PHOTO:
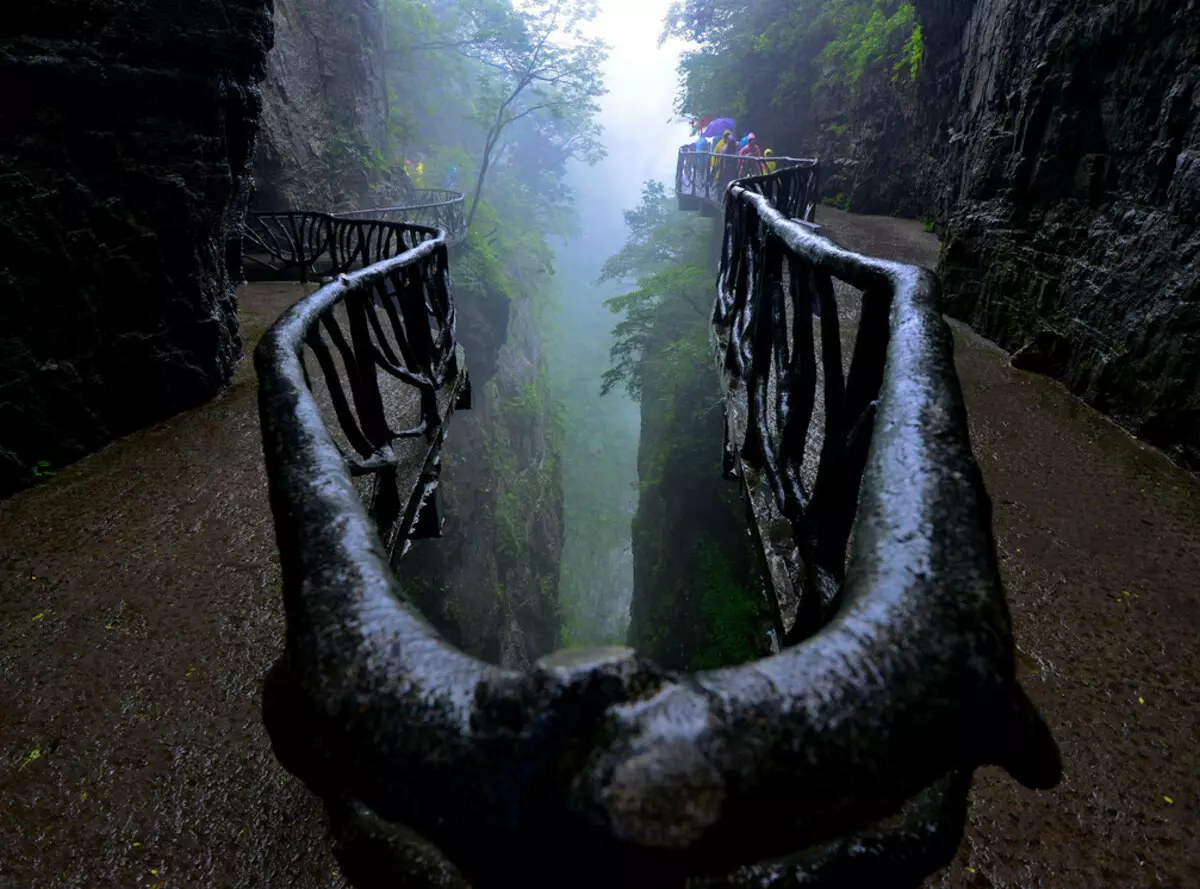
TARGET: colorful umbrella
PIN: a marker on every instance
(719, 126)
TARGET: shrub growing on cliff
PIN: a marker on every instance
(882, 42)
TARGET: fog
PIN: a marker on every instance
(600, 448)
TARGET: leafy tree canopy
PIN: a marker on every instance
(664, 320)
(794, 60)
(493, 97)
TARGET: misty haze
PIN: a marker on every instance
(673, 444)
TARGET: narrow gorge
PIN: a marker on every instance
(367, 511)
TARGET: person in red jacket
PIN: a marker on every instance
(749, 149)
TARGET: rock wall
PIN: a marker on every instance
(126, 134)
(871, 148)
(696, 603)
(697, 581)
(1070, 201)
(490, 584)
(874, 141)
(1057, 144)
(325, 113)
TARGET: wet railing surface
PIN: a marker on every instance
(842, 760)
(306, 246)
(867, 505)
(367, 365)
(434, 207)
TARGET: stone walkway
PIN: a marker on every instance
(1099, 543)
(139, 608)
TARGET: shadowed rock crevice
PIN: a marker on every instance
(125, 144)
(490, 584)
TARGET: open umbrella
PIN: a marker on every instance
(718, 126)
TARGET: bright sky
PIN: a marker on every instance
(642, 143)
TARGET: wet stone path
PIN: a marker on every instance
(1099, 544)
(139, 609)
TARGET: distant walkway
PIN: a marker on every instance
(139, 608)
(1099, 545)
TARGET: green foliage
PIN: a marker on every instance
(478, 270)
(731, 616)
(505, 92)
(527, 62)
(840, 201)
(881, 42)
(928, 224)
(348, 156)
(912, 54)
(664, 254)
(695, 599)
(523, 489)
(800, 60)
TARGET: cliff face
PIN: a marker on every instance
(491, 583)
(1057, 142)
(871, 148)
(697, 581)
(874, 141)
(125, 142)
(1071, 201)
(325, 112)
(696, 602)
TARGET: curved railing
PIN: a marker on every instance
(856, 743)
(434, 207)
(288, 244)
(701, 178)
(870, 512)
(358, 379)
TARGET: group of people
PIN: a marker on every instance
(756, 160)
(416, 174)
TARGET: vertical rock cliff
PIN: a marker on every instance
(491, 582)
(126, 134)
(1058, 144)
(697, 579)
(325, 114)
(1071, 201)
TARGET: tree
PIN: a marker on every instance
(789, 68)
(545, 66)
(664, 324)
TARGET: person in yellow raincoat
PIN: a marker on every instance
(719, 149)
(769, 165)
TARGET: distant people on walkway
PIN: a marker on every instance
(752, 158)
(452, 176)
(415, 170)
